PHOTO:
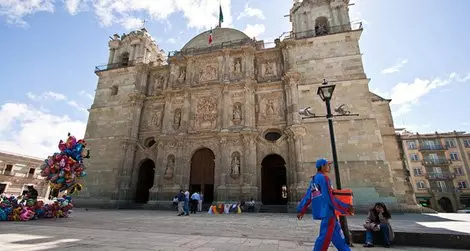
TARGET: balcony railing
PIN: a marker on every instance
(107, 67)
(325, 31)
(436, 162)
(432, 148)
(217, 46)
(440, 176)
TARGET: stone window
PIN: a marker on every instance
(411, 144)
(417, 172)
(454, 156)
(124, 59)
(414, 157)
(149, 142)
(8, 170)
(272, 136)
(321, 26)
(466, 143)
(458, 171)
(463, 184)
(450, 143)
(420, 185)
(114, 90)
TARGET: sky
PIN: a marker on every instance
(415, 52)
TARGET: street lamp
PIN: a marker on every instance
(325, 91)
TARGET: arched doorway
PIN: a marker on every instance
(446, 205)
(202, 174)
(273, 178)
(145, 181)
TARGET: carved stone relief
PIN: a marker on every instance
(181, 75)
(177, 119)
(237, 113)
(208, 73)
(270, 107)
(170, 167)
(269, 69)
(155, 120)
(235, 165)
(206, 113)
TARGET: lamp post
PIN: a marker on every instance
(325, 91)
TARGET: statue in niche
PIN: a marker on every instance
(170, 167)
(155, 121)
(182, 75)
(270, 108)
(269, 69)
(235, 171)
(237, 113)
(161, 82)
(177, 119)
(237, 66)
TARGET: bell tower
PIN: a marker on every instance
(319, 17)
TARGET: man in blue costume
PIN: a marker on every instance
(324, 204)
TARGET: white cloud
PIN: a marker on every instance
(57, 97)
(395, 68)
(405, 95)
(251, 12)
(200, 14)
(171, 41)
(27, 130)
(14, 11)
(254, 30)
(86, 94)
(132, 23)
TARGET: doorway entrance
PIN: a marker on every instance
(273, 178)
(202, 174)
(446, 205)
(145, 181)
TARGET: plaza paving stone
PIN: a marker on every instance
(162, 230)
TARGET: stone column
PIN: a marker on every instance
(296, 134)
(249, 112)
(220, 172)
(291, 81)
(131, 56)
(226, 108)
(248, 170)
(111, 55)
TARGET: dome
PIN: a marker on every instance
(219, 36)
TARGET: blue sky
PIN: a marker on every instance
(415, 52)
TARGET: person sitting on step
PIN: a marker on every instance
(378, 221)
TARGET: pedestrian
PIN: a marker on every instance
(186, 203)
(180, 203)
(199, 204)
(194, 202)
(324, 204)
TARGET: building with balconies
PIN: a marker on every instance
(439, 167)
(17, 172)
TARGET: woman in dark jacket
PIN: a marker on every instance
(378, 221)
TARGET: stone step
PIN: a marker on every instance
(273, 209)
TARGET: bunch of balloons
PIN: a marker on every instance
(12, 210)
(65, 169)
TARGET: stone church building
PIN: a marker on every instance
(222, 118)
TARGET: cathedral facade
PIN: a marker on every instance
(223, 118)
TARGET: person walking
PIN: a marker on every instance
(194, 202)
(199, 204)
(186, 203)
(324, 204)
(180, 203)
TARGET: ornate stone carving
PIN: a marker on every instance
(181, 75)
(269, 69)
(237, 113)
(155, 121)
(209, 72)
(206, 117)
(235, 165)
(170, 167)
(270, 108)
(177, 119)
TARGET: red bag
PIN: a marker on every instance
(345, 196)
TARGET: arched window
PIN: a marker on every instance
(114, 90)
(321, 26)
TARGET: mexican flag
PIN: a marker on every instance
(221, 16)
(210, 36)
